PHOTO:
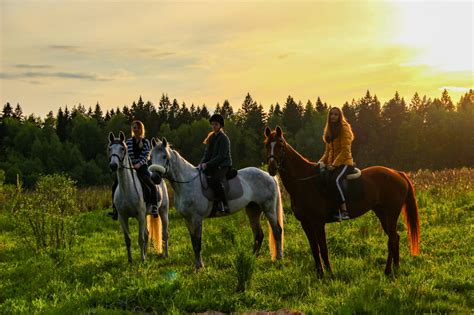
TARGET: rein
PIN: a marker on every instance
(280, 167)
(167, 167)
(121, 159)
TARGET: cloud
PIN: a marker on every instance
(28, 66)
(69, 48)
(61, 75)
(454, 88)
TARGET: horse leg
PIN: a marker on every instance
(126, 234)
(323, 246)
(142, 237)
(253, 212)
(313, 243)
(195, 231)
(394, 243)
(164, 225)
(383, 220)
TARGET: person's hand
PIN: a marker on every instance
(137, 166)
(321, 164)
(203, 166)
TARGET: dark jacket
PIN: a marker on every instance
(217, 153)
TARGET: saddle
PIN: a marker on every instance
(232, 186)
(351, 184)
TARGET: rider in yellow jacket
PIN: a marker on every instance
(337, 155)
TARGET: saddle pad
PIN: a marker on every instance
(233, 188)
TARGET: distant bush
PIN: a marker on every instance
(44, 218)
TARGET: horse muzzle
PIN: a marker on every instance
(113, 166)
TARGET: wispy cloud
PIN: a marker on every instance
(30, 66)
(69, 48)
(455, 88)
(61, 75)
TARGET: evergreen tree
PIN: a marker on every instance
(18, 112)
(184, 115)
(320, 107)
(98, 115)
(292, 116)
(309, 112)
(204, 113)
(446, 101)
(173, 115)
(7, 111)
(226, 110)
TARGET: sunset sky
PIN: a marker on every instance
(56, 53)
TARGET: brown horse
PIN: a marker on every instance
(385, 191)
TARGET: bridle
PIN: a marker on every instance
(121, 159)
(280, 161)
(167, 168)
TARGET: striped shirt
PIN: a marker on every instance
(136, 154)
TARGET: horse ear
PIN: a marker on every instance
(165, 143)
(122, 136)
(111, 137)
(279, 132)
(153, 142)
(268, 132)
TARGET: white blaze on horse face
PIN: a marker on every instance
(272, 146)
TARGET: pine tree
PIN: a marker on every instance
(292, 116)
(7, 111)
(226, 110)
(18, 112)
(446, 101)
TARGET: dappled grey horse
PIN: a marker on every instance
(261, 193)
(128, 200)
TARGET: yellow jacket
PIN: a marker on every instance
(338, 151)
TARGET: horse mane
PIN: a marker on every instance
(301, 157)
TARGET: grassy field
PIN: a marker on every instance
(93, 276)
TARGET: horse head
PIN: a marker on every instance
(275, 145)
(117, 150)
(160, 158)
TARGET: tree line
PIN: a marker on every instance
(406, 135)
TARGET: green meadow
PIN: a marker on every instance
(91, 274)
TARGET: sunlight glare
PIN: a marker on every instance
(439, 32)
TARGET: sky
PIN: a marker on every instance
(63, 53)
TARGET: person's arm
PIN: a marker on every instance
(223, 149)
(345, 153)
(145, 154)
(325, 156)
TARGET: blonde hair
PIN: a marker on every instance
(141, 125)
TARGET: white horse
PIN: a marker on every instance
(128, 200)
(261, 193)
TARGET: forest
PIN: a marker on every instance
(419, 133)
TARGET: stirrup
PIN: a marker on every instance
(342, 215)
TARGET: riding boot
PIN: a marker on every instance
(224, 207)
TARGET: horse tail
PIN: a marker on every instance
(271, 237)
(412, 219)
(155, 232)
